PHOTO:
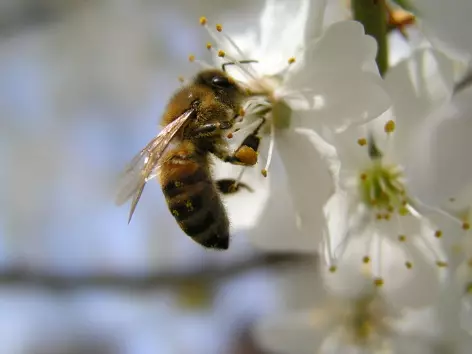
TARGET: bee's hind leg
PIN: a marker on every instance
(231, 186)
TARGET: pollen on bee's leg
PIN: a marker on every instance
(246, 155)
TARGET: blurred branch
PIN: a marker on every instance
(373, 15)
(53, 281)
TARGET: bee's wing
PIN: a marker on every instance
(141, 168)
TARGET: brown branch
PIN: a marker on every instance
(61, 282)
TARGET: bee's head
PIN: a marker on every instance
(224, 87)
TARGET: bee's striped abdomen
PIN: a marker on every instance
(194, 202)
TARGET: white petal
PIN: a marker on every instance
(418, 86)
(282, 28)
(277, 226)
(450, 145)
(244, 207)
(447, 25)
(343, 97)
(343, 45)
(297, 333)
(307, 159)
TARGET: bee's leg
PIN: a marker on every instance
(211, 128)
(246, 153)
(231, 186)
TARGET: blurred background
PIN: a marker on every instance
(83, 85)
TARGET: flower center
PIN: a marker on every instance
(381, 188)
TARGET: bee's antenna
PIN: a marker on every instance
(223, 66)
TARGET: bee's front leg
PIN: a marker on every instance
(210, 129)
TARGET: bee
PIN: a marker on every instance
(195, 124)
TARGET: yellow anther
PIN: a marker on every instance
(403, 211)
(378, 282)
(291, 60)
(221, 53)
(362, 141)
(402, 238)
(379, 216)
(191, 57)
(409, 265)
(441, 264)
(203, 20)
(366, 259)
(219, 27)
(438, 234)
(264, 172)
(389, 127)
(333, 268)
(209, 45)
(363, 176)
(465, 225)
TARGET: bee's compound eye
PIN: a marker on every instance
(221, 81)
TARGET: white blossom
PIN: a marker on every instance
(382, 169)
(317, 320)
(306, 77)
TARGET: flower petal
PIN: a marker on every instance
(339, 98)
(282, 23)
(244, 207)
(307, 160)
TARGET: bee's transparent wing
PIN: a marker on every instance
(143, 166)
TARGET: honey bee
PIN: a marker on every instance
(195, 123)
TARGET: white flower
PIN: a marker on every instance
(306, 78)
(379, 179)
(320, 321)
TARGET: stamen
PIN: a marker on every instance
(271, 148)
(362, 141)
(219, 27)
(389, 127)
(221, 53)
(466, 225)
(409, 265)
(438, 234)
(402, 238)
(378, 282)
(191, 58)
(291, 60)
(333, 269)
(203, 20)
(209, 46)
(366, 259)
